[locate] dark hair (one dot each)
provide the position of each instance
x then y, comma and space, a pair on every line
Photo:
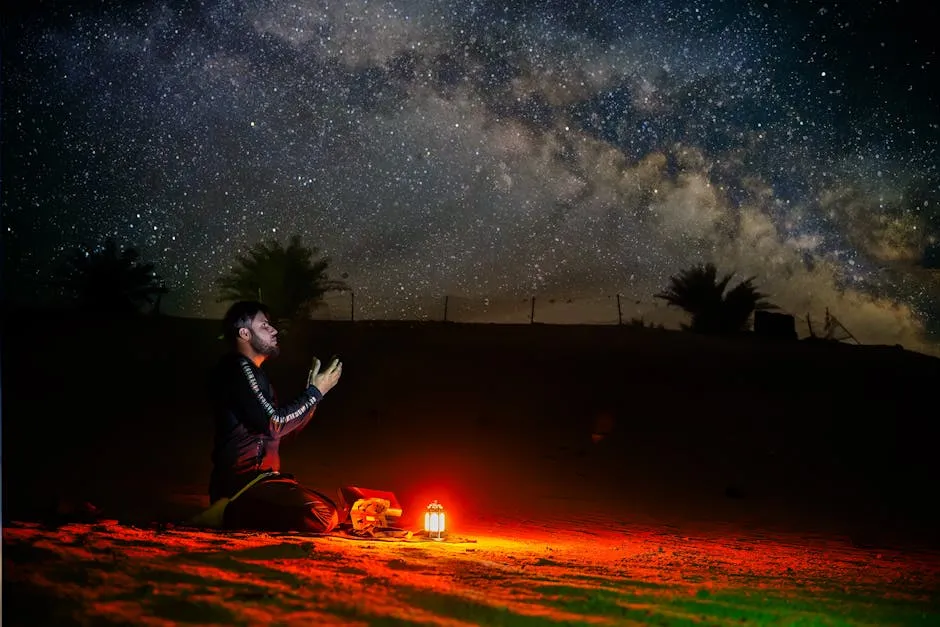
239, 316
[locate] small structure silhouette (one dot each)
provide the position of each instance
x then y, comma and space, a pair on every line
833, 330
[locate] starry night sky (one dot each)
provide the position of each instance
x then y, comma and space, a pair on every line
568, 150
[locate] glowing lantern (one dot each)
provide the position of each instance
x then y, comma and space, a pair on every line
434, 521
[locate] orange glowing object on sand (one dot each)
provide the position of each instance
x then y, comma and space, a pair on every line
434, 520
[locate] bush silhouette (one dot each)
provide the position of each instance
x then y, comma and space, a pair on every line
109, 281
288, 280
699, 291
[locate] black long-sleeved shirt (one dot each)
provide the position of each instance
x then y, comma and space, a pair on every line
249, 423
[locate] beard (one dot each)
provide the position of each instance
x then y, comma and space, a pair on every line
268, 349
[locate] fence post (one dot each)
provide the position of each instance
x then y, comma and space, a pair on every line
532, 312
352, 306
445, 307
619, 311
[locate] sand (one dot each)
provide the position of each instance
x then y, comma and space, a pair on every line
591, 475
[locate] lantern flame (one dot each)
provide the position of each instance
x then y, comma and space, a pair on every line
434, 520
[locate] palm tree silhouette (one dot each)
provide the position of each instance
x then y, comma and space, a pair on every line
288, 280
109, 281
699, 291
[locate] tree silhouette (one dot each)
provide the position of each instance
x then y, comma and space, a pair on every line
288, 280
108, 281
700, 292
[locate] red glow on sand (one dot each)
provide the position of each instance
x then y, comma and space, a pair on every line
169, 575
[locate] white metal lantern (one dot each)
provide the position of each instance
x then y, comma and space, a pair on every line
434, 521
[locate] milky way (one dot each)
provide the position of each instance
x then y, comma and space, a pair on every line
486, 150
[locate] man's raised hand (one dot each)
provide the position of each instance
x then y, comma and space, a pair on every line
324, 381
314, 370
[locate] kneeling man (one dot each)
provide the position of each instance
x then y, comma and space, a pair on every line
249, 425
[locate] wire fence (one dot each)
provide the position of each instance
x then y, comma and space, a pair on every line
612, 309
584, 309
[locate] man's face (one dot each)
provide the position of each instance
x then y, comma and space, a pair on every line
263, 336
